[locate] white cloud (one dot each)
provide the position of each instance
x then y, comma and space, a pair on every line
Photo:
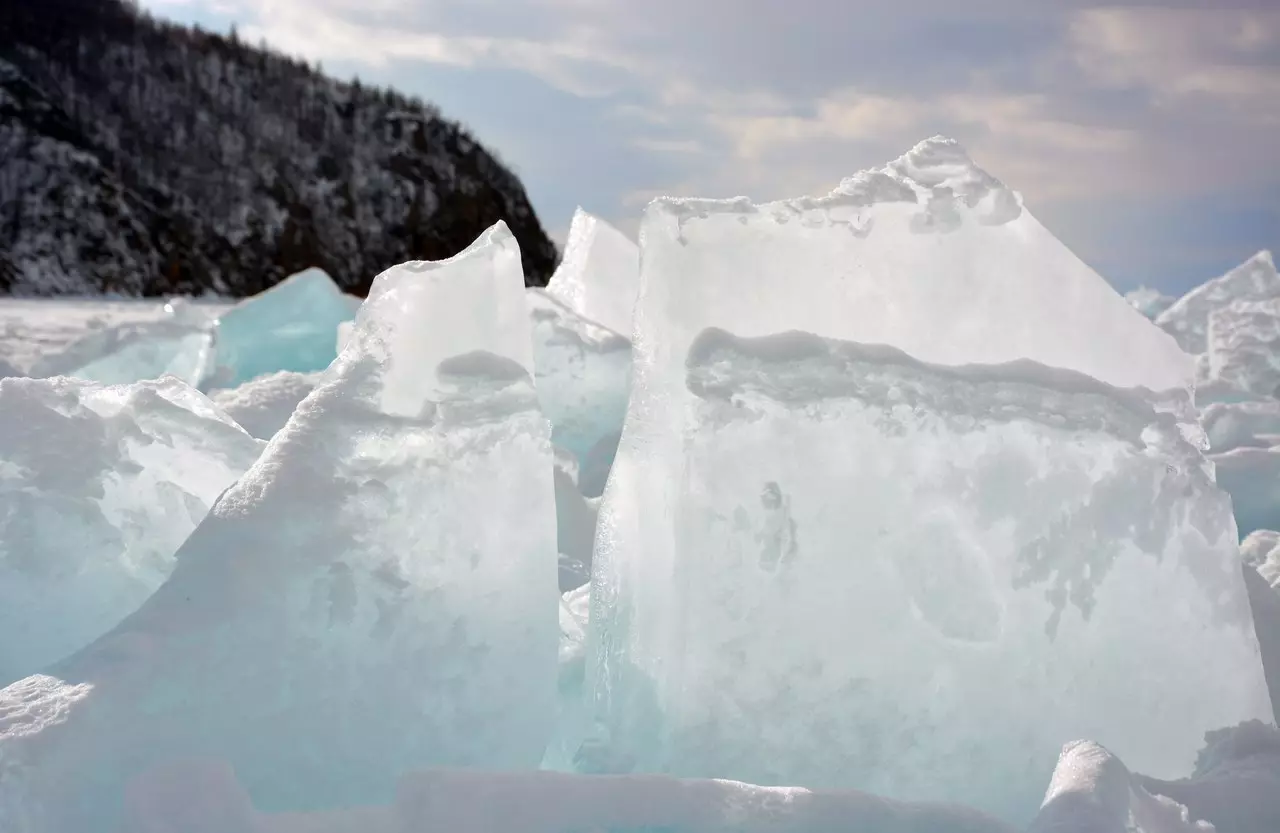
1224, 56
1069, 102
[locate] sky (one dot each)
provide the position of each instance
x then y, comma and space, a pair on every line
1145, 135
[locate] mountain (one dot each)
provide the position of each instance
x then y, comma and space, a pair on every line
144, 158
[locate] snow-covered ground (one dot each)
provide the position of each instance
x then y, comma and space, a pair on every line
35, 329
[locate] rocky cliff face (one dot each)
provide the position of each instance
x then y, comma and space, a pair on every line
143, 158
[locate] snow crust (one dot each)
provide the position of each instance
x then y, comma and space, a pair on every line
263, 406
99, 486
832, 462
598, 276
347, 612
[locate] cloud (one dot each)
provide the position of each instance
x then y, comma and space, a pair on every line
1080, 105
1221, 57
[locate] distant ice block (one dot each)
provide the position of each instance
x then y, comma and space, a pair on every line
291, 326
180, 343
826, 562
1149, 302
263, 406
599, 275
584, 374
349, 611
1244, 349
99, 486
1188, 318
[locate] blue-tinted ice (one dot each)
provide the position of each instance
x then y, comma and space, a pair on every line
349, 611
99, 486
291, 326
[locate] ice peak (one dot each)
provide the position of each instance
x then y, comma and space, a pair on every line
1263, 256
937, 173
941, 162
937, 150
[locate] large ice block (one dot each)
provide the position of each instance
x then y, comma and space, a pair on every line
598, 276
823, 561
179, 343
1188, 318
291, 326
263, 406
584, 374
99, 486
350, 610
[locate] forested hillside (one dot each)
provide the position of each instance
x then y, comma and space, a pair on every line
144, 158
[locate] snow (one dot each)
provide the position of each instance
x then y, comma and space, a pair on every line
599, 275
1188, 318
263, 406
35, 330
292, 326
347, 612
1261, 550
792, 514
99, 486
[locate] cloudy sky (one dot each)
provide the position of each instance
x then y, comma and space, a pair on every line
1145, 135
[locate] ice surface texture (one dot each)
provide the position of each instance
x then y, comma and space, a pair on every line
99, 486
583, 373
598, 276
832, 564
1188, 318
291, 326
348, 611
